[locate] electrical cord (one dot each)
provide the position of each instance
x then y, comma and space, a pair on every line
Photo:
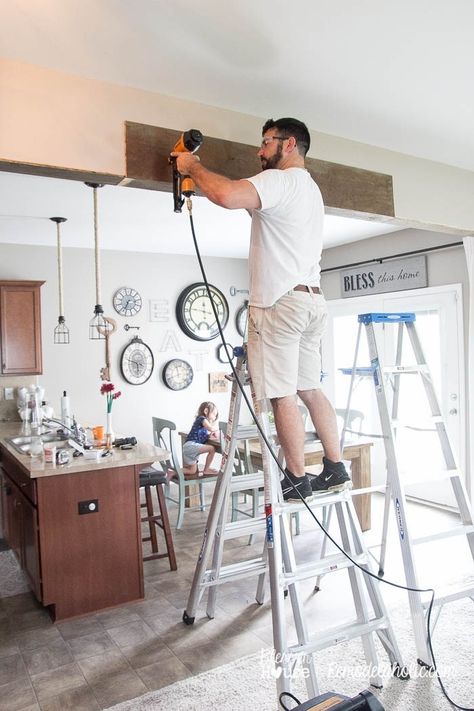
402, 673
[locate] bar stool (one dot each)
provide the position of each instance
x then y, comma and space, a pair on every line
152, 477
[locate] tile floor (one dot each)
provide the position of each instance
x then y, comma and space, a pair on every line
102, 659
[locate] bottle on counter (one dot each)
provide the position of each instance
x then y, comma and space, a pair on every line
66, 410
47, 410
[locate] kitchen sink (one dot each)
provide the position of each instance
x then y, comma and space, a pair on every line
23, 443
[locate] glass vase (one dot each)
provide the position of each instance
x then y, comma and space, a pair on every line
109, 432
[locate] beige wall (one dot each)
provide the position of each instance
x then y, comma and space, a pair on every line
76, 367
57, 119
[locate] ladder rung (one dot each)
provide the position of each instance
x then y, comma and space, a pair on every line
250, 431
421, 426
241, 482
467, 591
244, 527
329, 564
323, 499
340, 634
463, 530
234, 571
405, 369
440, 475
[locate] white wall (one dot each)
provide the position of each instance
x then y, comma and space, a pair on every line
53, 118
76, 367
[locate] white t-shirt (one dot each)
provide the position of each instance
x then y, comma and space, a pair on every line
286, 236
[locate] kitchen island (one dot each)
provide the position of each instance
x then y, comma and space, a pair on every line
75, 528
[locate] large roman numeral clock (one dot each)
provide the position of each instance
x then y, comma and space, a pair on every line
195, 314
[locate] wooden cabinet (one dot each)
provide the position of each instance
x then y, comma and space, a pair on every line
20, 328
20, 521
77, 559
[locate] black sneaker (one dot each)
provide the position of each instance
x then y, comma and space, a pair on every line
333, 477
290, 482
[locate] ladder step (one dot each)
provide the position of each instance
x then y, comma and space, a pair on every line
449, 533
406, 369
243, 527
241, 482
324, 499
336, 635
467, 591
431, 477
234, 571
329, 564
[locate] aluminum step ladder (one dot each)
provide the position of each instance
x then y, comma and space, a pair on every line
387, 382
279, 560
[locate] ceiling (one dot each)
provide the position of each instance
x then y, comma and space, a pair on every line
395, 75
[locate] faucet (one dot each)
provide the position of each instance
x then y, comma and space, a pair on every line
78, 432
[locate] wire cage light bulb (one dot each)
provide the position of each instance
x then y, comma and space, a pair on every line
61, 332
99, 325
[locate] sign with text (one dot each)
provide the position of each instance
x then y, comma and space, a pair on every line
394, 275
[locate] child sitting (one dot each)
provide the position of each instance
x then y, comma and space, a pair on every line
205, 427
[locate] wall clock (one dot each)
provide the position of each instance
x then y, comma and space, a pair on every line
136, 362
241, 319
222, 353
127, 301
177, 374
195, 313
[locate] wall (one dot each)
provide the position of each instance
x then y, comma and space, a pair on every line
446, 266
75, 367
57, 119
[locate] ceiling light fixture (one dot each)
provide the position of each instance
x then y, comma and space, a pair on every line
61, 332
99, 326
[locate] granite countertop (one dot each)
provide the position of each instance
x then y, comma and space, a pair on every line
35, 467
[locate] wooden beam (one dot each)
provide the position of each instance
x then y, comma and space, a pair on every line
55, 171
343, 187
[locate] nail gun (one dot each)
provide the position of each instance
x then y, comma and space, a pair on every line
189, 141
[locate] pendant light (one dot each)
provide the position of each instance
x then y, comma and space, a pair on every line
61, 332
98, 325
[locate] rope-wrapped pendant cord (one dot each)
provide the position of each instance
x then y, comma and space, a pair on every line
97, 251
60, 270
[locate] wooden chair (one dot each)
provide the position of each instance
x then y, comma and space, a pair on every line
354, 420
151, 477
165, 435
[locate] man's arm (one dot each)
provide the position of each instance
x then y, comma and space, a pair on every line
232, 194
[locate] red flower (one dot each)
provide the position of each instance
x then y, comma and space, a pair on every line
107, 390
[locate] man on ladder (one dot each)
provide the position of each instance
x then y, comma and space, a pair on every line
288, 312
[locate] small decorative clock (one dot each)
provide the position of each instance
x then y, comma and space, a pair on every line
177, 374
136, 362
222, 352
195, 314
127, 301
241, 319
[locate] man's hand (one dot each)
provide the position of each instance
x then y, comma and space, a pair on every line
232, 194
185, 162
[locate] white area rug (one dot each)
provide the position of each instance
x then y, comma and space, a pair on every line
248, 684
12, 580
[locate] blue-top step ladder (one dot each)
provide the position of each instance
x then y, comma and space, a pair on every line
384, 376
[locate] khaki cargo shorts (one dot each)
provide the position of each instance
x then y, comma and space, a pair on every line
284, 344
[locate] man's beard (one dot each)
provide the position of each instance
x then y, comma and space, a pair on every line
272, 162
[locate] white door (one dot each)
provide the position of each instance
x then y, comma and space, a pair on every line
439, 325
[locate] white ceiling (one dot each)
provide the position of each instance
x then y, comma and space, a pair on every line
391, 74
